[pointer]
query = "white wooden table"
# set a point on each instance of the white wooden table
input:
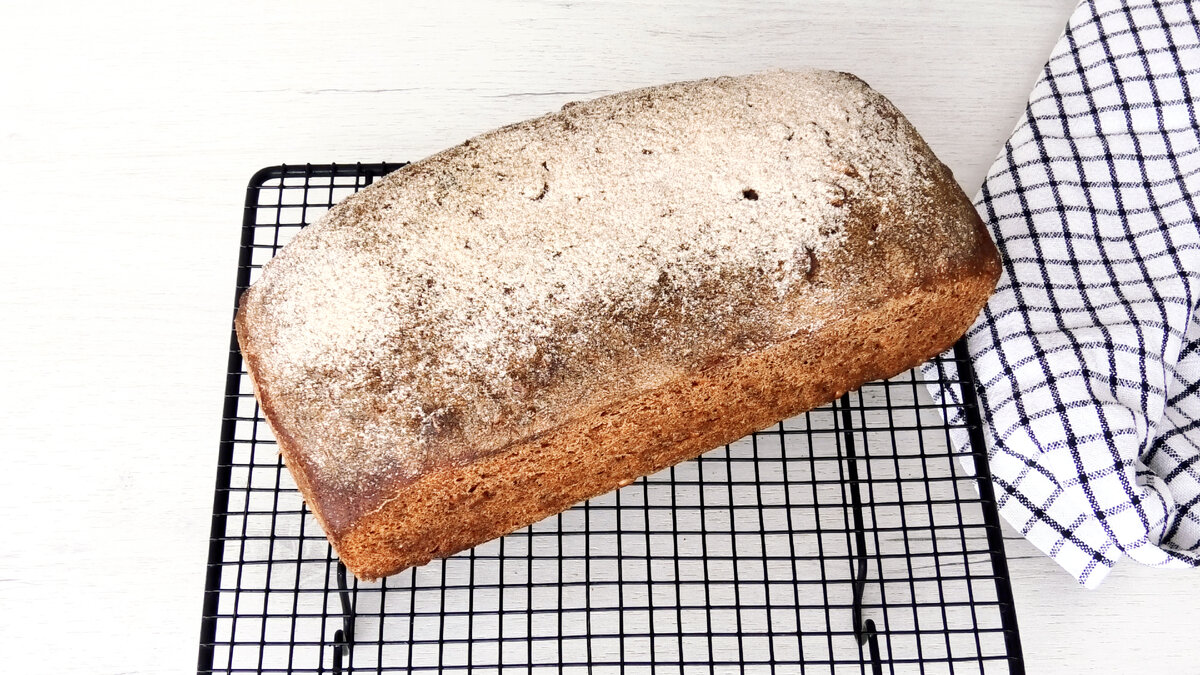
(127, 135)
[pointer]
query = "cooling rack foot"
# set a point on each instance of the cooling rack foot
(858, 565)
(864, 631)
(343, 638)
(872, 638)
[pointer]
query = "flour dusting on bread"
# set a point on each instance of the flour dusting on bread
(476, 297)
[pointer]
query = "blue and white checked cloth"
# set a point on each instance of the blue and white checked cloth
(1088, 355)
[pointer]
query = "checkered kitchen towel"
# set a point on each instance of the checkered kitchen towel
(1088, 355)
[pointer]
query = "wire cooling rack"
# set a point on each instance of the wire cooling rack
(842, 540)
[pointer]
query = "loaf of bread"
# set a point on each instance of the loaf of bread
(552, 309)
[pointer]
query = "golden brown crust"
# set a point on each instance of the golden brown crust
(451, 510)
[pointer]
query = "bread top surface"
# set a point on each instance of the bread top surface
(542, 271)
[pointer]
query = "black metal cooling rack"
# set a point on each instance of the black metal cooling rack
(841, 540)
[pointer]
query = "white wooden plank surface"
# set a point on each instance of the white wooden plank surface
(127, 134)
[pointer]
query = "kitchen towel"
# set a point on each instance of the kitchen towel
(1087, 357)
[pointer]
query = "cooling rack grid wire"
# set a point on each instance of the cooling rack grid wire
(846, 539)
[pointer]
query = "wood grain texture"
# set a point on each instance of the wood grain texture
(127, 135)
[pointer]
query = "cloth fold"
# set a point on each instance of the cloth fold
(1087, 357)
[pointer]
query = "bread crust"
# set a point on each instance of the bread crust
(900, 286)
(454, 509)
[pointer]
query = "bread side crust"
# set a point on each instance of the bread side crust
(458, 507)
(286, 445)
